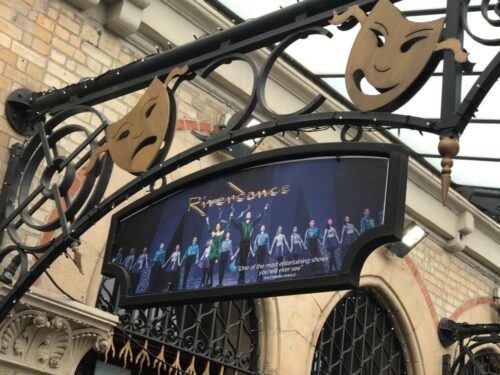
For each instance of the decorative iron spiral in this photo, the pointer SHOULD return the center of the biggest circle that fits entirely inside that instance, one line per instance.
(51, 190)
(485, 5)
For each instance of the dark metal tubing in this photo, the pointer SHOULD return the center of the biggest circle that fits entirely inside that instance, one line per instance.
(452, 72)
(248, 36)
(473, 158)
(476, 94)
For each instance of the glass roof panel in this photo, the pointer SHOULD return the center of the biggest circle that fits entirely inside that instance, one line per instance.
(481, 140)
(407, 5)
(338, 84)
(425, 143)
(472, 173)
(323, 55)
(421, 105)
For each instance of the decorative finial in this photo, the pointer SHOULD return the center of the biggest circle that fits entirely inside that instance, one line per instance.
(448, 149)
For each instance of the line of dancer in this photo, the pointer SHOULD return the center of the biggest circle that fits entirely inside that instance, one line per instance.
(145, 271)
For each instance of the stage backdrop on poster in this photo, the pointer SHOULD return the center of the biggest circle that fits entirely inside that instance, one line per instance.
(296, 220)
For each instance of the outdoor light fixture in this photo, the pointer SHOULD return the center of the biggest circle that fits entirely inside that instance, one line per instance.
(413, 235)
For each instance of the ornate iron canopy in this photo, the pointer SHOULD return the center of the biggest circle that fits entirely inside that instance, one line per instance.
(43, 170)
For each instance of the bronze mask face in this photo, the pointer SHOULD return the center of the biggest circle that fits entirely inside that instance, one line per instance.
(134, 141)
(394, 55)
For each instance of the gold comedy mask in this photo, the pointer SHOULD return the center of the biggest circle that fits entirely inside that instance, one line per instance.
(394, 55)
(135, 140)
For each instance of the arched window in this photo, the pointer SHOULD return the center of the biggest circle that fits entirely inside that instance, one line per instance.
(358, 338)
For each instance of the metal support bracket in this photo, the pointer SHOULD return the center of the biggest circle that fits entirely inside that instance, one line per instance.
(17, 110)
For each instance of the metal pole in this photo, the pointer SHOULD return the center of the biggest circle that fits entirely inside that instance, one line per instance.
(452, 71)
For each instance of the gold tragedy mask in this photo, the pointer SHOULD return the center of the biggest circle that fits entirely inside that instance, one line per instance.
(394, 55)
(135, 140)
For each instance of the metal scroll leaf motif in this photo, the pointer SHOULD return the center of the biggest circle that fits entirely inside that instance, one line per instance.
(396, 56)
(135, 140)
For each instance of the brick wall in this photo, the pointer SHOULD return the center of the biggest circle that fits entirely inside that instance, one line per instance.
(450, 282)
(49, 44)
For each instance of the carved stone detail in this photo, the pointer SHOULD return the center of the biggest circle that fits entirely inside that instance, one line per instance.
(33, 341)
(124, 17)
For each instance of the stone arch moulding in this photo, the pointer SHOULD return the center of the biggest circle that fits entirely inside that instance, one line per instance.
(398, 290)
(269, 333)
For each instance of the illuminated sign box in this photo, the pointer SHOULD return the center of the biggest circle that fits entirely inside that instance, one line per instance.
(296, 220)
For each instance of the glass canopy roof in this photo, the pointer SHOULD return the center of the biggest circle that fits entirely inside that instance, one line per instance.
(479, 155)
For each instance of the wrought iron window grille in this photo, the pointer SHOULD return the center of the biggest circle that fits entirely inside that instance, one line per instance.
(358, 338)
(221, 335)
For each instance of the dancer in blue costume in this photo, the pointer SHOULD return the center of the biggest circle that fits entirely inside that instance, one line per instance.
(261, 246)
(118, 258)
(142, 268)
(296, 243)
(190, 257)
(311, 239)
(158, 261)
(349, 235)
(331, 243)
(280, 242)
(204, 264)
(226, 253)
(129, 260)
(172, 267)
(367, 222)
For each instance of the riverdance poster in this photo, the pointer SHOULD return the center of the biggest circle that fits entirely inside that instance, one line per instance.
(290, 220)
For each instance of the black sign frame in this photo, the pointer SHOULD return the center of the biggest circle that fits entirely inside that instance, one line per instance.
(390, 231)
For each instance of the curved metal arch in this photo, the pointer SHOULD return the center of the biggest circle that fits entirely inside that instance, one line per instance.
(289, 123)
(266, 69)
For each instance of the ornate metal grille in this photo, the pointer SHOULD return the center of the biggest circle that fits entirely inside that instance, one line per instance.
(223, 334)
(358, 338)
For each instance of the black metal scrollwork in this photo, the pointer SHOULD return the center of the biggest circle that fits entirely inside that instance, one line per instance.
(485, 7)
(42, 158)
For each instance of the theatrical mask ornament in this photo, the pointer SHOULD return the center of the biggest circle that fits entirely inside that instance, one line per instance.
(134, 141)
(395, 56)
